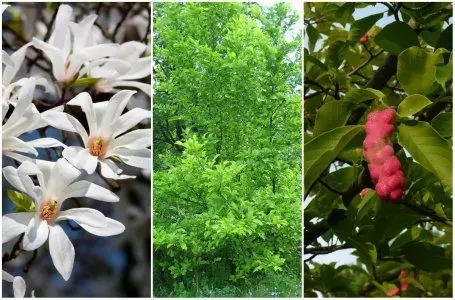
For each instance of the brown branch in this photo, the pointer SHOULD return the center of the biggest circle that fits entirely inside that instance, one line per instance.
(325, 250)
(15, 251)
(363, 65)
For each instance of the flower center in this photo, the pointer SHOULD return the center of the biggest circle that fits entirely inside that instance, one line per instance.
(49, 210)
(97, 147)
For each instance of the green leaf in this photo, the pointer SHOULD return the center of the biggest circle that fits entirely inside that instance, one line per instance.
(361, 26)
(396, 37)
(85, 82)
(321, 150)
(336, 53)
(416, 70)
(445, 40)
(443, 71)
(341, 180)
(427, 256)
(366, 250)
(412, 105)
(331, 115)
(360, 95)
(442, 123)
(344, 13)
(313, 36)
(431, 37)
(314, 60)
(428, 148)
(22, 202)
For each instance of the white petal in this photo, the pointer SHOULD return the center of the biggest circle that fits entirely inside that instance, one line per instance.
(19, 287)
(56, 56)
(61, 250)
(112, 227)
(7, 276)
(119, 65)
(100, 108)
(130, 119)
(146, 88)
(46, 143)
(115, 107)
(61, 30)
(64, 121)
(90, 190)
(85, 102)
(35, 235)
(98, 51)
(14, 224)
(46, 169)
(18, 145)
(110, 170)
(62, 175)
(25, 170)
(140, 69)
(28, 121)
(140, 158)
(17, 156)
(131, 51)
(16, 59)
(25, 99)
(7, 61)
(81, 31)
(140, 138)
(83, 215)
(84, 160)
(13, 178)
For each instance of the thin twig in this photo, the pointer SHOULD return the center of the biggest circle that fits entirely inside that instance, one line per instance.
(353, 72)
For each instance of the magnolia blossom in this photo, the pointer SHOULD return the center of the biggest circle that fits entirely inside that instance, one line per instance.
(71, 45)
(10, 89)
(24, 118)
(104, 143)
(18, 284)
(56, 184)
(122, 70)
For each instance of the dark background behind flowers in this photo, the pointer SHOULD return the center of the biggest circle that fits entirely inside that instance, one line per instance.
(117, 266)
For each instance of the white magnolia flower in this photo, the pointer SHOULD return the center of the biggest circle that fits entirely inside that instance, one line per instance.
(18, 284)
(56, 184)
(122, 70)
(70, 45)
(12, 64)
(24, 118)
(104, 143)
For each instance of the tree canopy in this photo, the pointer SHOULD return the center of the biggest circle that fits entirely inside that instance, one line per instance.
(227, 150)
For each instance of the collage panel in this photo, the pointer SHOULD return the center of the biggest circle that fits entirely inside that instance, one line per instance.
(76, 149)
(227, 149)
(378, 149)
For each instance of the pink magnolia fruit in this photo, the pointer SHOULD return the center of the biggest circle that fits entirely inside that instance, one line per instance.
(383, 165)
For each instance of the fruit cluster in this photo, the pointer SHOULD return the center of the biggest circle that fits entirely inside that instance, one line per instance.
(384, 166)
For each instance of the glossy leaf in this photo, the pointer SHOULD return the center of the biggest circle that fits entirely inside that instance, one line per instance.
(428, 148)
(416, 70)
(321, 150)
(412, 105)
(396, 37)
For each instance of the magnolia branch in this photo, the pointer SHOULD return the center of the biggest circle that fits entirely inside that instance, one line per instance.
(364, 64)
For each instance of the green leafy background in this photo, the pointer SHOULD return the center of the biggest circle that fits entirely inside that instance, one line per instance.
(406, 65)
(227, 150)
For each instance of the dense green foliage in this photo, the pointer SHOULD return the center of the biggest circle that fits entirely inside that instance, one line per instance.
(227, 150)
(406, 65)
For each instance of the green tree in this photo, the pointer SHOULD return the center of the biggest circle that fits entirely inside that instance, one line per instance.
(403, 247)
(227, 150)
